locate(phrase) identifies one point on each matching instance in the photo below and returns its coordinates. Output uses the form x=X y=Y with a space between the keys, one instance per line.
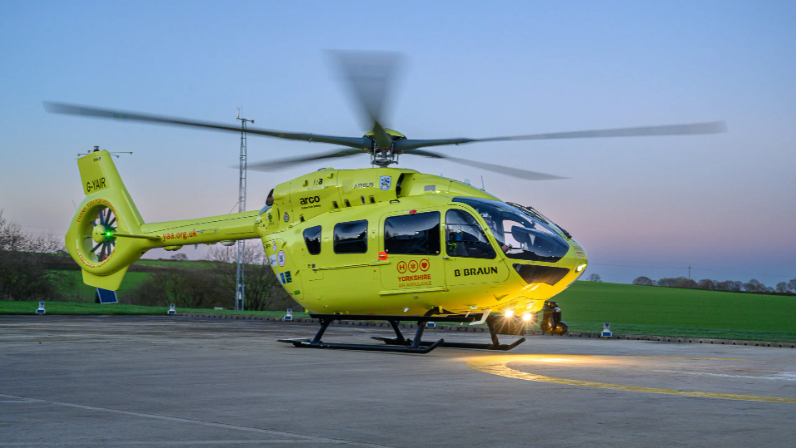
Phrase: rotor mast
x=240 y=284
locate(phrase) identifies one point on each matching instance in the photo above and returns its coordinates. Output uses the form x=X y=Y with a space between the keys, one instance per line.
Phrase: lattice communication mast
x=240 y=284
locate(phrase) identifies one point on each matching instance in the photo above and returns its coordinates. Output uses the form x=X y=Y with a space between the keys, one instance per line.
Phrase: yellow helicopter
x=380 y=243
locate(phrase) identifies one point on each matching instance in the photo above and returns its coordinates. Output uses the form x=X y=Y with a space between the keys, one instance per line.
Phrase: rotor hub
x=102 y=233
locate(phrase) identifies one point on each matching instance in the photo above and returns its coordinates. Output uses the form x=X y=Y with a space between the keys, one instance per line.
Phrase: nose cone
x=579 y=255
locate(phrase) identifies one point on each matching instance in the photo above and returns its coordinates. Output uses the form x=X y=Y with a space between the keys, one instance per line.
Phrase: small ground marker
x=606 y=333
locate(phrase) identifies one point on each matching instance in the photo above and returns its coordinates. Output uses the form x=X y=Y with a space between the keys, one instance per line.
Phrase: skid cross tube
x=399 y=343
x=495 y=345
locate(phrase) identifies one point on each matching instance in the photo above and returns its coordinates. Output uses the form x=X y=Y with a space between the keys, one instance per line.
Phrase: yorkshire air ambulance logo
x=385 y=182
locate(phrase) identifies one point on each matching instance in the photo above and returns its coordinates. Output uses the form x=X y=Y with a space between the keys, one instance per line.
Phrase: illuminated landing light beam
x=497 y=365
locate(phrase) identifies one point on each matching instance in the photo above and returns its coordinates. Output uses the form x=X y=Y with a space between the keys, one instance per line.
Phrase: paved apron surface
x=152 y=381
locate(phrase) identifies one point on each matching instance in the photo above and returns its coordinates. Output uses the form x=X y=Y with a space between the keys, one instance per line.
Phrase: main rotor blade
x=273 y=165
x=370 y=75
x=94 y=112
x=509 y=171
x=714 y=127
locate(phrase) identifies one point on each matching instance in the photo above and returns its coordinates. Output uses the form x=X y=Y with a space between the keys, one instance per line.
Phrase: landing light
x=527 y=317
x=580 y=268
x=508 y=313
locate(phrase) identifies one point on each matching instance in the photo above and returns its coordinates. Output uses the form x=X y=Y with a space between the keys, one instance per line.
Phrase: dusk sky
x=723 y=204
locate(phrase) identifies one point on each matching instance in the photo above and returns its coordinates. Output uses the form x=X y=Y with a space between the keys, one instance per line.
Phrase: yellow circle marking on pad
x=497 y=365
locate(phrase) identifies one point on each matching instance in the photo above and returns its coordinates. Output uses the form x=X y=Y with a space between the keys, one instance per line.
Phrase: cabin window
x=464 y=237
x=351 y=237
x=416 y=234
x=312 y=238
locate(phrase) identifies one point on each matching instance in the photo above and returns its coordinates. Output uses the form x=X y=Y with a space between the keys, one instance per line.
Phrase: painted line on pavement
x=302 y=437
x=497 y=365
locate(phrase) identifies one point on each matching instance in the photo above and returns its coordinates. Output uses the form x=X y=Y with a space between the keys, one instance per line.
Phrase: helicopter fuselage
x=400 y=242
x=382 y=241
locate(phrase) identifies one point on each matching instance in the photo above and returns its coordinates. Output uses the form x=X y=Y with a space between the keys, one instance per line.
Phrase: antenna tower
x=240 y=285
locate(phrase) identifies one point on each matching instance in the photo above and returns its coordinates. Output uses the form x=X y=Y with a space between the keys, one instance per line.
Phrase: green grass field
x=585 y=305
x=678 y=312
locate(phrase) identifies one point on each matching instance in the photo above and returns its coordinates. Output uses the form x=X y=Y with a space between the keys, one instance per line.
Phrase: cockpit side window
x=464 y=237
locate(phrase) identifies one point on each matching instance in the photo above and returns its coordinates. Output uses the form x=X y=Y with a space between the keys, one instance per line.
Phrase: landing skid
x=399 y=343
x=503 y=347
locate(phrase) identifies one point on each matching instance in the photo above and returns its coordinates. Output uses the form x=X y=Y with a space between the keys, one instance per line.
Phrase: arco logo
x=309 y=200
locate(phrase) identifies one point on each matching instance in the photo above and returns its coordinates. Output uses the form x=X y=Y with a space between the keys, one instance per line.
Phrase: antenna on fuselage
x=113 y=154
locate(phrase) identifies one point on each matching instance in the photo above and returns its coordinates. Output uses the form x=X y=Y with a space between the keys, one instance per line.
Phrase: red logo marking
x=413 y=266
x=424 y=265
x=401 y=267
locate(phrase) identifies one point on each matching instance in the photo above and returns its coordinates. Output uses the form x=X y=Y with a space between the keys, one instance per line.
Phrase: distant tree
x=24 y=274
x=594 y=278
x=729 y=285
x=667 y=282
x=263 y=289
x=782 y=287
x=679 y=282
x=755 y=285
x=792 y=285
x=706 y=283
x=644 y=281
x=186 y=288
x=688 y=283
x=179 y=257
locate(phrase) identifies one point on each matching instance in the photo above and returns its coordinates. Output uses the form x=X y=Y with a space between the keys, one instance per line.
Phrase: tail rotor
x=103 y=235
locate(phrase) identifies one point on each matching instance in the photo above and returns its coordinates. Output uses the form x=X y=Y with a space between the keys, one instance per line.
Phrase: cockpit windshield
x=520 y=235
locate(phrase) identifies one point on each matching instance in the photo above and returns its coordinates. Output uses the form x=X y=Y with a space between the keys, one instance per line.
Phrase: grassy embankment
x=585 y=305
x=75 y=290
x=679 y=312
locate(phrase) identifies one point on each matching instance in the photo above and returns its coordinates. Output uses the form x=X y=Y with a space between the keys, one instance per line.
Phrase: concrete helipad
x=152 y=381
